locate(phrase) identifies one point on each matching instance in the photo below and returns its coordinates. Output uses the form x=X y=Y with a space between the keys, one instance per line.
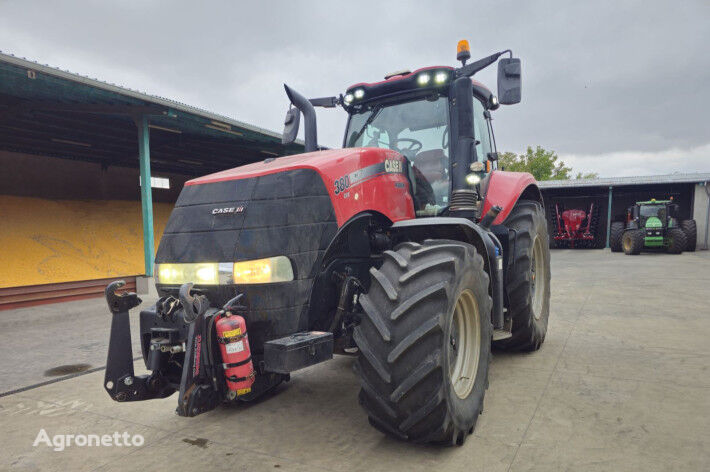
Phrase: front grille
x=282 y=214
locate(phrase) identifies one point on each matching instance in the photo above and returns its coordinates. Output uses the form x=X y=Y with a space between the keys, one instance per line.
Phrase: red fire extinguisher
x=236 y=355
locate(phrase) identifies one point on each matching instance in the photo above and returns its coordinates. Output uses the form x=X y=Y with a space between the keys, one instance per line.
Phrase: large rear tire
x=678 y=241
x=633 y=241
x=424 y=342
x=615 y=234
x=528 y=282
x=691 y=234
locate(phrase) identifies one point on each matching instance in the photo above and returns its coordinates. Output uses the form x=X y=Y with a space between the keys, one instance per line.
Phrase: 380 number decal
x=342 y=184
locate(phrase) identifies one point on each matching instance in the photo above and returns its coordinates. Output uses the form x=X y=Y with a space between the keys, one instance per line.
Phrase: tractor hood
x=343 y=172
x=295 y=202
x=290 y=207
x=330 y=162
x=292 y=203
x=654 y=222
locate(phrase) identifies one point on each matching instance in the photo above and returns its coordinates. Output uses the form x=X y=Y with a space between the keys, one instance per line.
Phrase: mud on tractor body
x=406 y=248
x=653 y=225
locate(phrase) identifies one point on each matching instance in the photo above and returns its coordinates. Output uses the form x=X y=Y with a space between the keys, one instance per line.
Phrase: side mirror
x=291 y=123
x=509 y=81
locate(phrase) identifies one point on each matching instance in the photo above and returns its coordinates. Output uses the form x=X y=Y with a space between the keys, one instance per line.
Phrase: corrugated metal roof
x=619 y=181
x=65 y=74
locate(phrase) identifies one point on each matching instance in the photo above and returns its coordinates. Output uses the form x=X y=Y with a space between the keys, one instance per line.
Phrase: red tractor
x=406 y=248
x=575 y=228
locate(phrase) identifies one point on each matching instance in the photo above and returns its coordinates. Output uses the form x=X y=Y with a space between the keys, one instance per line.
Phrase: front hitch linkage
x=120 y=380
x=198 y=388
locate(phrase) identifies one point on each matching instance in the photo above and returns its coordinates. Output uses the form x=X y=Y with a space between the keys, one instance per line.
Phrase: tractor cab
x=653 y=214
x=411 y=113
x=437 y=118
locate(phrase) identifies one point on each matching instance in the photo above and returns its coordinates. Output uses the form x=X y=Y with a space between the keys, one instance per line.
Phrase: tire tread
x=401 y=336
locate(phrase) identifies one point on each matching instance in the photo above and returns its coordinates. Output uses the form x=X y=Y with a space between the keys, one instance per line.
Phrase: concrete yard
x=621 y=383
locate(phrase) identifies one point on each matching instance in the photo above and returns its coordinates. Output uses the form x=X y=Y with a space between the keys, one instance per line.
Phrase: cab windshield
x=419 y=130
x=653 y=210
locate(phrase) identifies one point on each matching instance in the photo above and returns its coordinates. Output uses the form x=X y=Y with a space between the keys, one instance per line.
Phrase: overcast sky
x=618 y=88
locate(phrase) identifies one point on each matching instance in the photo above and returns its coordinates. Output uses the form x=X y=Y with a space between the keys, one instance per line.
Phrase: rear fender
x=505 y=189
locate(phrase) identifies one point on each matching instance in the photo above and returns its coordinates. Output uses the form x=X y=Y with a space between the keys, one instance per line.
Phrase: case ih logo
x=228 y=210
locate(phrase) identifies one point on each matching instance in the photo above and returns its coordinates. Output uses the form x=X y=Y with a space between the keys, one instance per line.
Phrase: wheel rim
x=627 y=243
x=465 y=344
x=537 y=285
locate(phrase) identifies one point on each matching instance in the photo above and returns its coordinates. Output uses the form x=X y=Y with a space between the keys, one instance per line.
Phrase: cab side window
x=481 y=129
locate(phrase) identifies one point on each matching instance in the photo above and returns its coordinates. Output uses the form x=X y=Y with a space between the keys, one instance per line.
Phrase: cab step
x=505 y=332
x=500 y=334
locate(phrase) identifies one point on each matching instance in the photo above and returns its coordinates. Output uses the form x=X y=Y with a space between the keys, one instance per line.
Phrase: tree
x=588 y=175
x=542 y=164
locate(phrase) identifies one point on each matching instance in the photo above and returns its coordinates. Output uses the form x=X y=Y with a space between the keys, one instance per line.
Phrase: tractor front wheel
x=528 y=282
x=424 y=342
x=633 y=241
x=677 y=242
x=615 y=234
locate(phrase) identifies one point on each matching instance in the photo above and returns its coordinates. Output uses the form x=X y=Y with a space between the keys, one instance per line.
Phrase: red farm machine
x=406 y=248
x=575 y=228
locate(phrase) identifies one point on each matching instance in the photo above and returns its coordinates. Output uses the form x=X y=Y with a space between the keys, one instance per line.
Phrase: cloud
x=598 y=77
x=636 y=163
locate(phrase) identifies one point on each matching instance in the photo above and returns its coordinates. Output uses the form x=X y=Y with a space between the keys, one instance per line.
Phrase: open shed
x=612 y=196
x=77 y=155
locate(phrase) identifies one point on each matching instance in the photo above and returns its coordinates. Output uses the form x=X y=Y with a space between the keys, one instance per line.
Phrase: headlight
x=359 y=93
x=258 y=271
x=262 y=271
x=203 y=273
x=473 y=179
x=440 y=77
x=423 y=79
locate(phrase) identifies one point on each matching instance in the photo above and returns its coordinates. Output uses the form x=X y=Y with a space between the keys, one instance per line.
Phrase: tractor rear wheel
x=528 y=282
x=615 y=235
x=691 y=234
x=677 y=242
x=424 y=342
x=632 y=241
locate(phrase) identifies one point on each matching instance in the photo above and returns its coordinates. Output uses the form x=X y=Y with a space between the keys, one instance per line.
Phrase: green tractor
x=653 y=225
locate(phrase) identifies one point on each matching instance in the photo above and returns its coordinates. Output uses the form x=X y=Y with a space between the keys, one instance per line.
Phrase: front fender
x=459 y=229
x=506 y=188
x=464 y=230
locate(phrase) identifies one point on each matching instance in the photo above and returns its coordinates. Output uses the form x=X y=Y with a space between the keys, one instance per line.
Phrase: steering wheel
x=414 y=145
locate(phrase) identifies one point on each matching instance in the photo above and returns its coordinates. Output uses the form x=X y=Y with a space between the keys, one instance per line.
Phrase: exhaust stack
x=309 y=116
